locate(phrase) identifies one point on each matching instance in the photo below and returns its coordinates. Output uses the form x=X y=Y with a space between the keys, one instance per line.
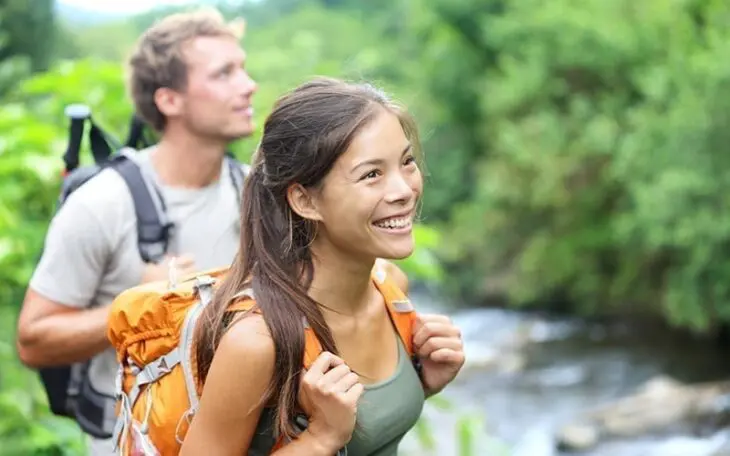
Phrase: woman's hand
x=328 y=394
x=438 y=344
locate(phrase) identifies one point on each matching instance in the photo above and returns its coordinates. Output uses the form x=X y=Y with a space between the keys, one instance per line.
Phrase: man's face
x=217 y=98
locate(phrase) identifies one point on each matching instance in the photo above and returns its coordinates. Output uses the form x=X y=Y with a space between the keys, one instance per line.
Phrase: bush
x=605 y=178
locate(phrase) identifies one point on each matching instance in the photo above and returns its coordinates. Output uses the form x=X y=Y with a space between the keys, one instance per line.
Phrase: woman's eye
x=409 y=160
x=371 y=175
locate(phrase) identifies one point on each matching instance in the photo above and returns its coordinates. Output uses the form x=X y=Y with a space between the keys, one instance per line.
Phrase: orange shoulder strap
x=399 y=306
x=242 y=302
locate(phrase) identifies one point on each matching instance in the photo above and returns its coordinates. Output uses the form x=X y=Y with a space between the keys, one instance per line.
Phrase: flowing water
x=526 y=375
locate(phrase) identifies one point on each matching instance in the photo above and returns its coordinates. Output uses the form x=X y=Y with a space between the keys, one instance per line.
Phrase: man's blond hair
x=158 y=61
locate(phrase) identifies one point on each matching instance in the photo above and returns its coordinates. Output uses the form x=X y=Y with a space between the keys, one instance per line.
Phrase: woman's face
x=368 y=200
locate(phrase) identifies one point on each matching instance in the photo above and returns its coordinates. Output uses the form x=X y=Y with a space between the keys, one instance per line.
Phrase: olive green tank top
x=386 y=412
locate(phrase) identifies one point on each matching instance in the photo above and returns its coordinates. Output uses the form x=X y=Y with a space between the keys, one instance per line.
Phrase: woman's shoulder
x=248 y=340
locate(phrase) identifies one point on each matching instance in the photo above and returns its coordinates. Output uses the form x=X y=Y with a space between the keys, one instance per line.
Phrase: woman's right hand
x=328 y=394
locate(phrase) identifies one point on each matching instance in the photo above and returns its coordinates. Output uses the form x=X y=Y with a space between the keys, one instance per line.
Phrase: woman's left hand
x=438 y=344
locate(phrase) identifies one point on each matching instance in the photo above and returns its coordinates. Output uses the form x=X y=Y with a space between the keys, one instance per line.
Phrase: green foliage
x=26 y=427
x=12 y=67
x=30 y=166
x=423 y=263
x=297 y=47
x=29 y=31
x=31 y=150
x=602 y=177
x=449 y=57
x=470 y=429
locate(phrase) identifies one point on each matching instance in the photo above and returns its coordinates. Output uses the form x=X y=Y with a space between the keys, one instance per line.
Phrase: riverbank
x=528 y=375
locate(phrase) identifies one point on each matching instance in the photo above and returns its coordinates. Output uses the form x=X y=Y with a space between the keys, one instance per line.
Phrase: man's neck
x=183 y=160
x=341 y=284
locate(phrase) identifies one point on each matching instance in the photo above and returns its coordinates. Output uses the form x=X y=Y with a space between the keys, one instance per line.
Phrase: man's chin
x=241 y=133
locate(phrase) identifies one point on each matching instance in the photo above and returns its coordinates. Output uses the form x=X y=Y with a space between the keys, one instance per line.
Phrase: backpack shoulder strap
x=238 y=172
x=243 y=301
x=153 y=227
x=400 y=308
x=136 y=133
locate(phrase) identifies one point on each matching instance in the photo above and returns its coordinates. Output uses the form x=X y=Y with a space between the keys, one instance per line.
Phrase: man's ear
x=302 y=202
x=168 y=101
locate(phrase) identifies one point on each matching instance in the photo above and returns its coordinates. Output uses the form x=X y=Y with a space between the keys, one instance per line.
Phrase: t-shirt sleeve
x=74 y=256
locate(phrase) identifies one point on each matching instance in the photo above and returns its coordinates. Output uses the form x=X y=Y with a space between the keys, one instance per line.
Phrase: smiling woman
x=308 y=344
x=334 y=190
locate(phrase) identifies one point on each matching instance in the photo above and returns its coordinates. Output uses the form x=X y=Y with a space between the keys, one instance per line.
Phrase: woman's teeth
x=401 y=222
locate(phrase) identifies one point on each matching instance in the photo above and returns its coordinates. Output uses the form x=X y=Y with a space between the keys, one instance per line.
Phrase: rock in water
x=577 y=437
x=658 y=405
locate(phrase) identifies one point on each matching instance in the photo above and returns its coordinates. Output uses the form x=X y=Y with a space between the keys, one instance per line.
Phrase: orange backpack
x=152 y=326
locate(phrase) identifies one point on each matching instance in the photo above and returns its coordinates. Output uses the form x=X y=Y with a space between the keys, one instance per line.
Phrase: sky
x=123 y=6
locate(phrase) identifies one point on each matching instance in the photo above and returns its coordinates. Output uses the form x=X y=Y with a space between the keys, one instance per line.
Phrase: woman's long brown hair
x=307 y=131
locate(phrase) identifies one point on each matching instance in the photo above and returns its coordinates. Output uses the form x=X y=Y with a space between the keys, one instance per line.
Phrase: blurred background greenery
x=574 y=149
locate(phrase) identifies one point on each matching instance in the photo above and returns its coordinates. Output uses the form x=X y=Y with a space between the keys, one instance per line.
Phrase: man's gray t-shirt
x=91 y=254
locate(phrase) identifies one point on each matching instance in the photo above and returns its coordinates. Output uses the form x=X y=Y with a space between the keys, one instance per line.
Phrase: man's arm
x=50 y=333
x=56 y=326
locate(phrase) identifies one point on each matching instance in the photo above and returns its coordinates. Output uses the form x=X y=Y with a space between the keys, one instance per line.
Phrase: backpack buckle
x=204 y=281
x=204 y=288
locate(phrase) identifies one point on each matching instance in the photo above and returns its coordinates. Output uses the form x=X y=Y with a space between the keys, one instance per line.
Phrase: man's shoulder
x=108 y=186
x=104 y=189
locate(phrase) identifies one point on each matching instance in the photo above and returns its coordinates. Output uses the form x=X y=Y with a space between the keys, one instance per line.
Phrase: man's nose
x=246 y=84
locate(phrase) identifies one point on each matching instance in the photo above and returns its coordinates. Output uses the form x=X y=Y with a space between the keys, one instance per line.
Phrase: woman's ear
x=302 y=202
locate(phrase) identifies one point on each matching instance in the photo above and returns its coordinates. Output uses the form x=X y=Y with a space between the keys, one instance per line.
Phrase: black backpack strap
x=77 y=115
x=153 y=227
x=238 y=172
x=136 y=138
x=99 y=141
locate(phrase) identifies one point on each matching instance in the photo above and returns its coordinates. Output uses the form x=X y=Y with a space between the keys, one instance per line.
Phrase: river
x=526 y=375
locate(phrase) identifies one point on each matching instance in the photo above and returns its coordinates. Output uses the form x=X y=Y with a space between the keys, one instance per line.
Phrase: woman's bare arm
x=233 y=396
x=231 y=403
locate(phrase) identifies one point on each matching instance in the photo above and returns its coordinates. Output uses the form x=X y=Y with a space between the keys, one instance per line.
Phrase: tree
x=30 y=31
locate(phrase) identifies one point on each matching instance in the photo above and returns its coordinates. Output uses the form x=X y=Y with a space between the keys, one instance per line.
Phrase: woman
x=335 y=185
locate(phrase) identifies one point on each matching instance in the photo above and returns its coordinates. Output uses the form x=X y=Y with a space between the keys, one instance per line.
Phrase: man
x=187 y=80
